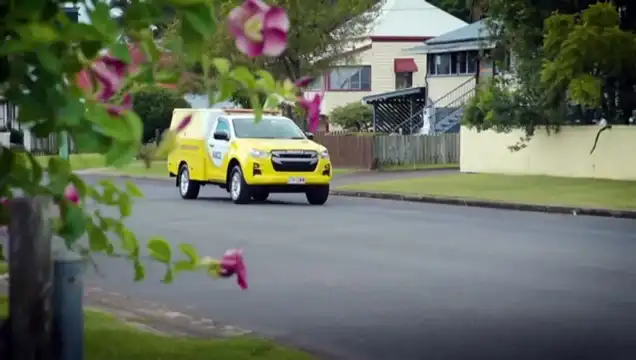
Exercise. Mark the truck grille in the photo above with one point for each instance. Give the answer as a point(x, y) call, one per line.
point(294, 160)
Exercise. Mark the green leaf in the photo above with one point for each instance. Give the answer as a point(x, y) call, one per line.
point(160, 249)
point(168, 278)
point(129, 242)
point(122, 153)
point(109, 194)
point(133, 189)
point(187, 2)
point(108, 125)
point(135, 125)
point(71, 112)
point(201, 19)
point(102, 20)
point(40, 33)
point(9, 47)
point(183, 265)
point(125, 205)
point(190, 251)
point(257, 107)
point(120, 51)
point(49, 61)
point(59, 172)
point(226, 89)
point(222, 65)
point(273, 101)
point(243, 76)
point(266, 80)
point(97, 240)
point(140, 273)
point(74, 223)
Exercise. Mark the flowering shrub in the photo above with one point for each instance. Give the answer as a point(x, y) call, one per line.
point(79, 79)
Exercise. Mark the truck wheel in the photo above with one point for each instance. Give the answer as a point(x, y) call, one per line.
point(239, 189)
point(318, 195)
point(188, 189)
point(260, 195)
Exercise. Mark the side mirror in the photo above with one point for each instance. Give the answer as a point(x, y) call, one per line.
point(221, 135)
point(309, 135)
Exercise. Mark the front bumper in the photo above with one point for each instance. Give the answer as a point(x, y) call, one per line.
point(261, 172)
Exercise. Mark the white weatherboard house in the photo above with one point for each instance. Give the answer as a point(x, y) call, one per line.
point(378, 63)
point(454, 65)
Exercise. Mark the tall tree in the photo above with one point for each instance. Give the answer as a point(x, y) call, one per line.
point(573, 60)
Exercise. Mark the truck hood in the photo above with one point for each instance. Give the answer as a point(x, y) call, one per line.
point(280, 144)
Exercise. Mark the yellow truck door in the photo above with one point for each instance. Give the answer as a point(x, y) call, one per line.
point(218, 148)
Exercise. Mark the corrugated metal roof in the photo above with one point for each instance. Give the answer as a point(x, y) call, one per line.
point(411, 18)
point(474, 31)
point(473, 35)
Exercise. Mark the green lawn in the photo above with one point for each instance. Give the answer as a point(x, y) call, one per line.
point(517, 189)
point(4, 267)
point(79, 161)
point(107, 338)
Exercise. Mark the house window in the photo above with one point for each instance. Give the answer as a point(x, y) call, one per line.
point(403, 80)
point(317, 84)
point(455, 63)
point(352, 78)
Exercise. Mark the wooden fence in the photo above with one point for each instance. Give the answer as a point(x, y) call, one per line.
point(348, 151)
point(369, 151)
point(417, 149)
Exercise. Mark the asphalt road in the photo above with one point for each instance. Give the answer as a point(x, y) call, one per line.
point(372, 279)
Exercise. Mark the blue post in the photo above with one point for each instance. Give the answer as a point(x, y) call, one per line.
point(68, 315)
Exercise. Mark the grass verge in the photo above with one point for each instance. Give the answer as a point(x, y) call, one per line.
point(107, 338)
point(78, 161)
point(417, 167)
point(4, 268)
point(541, 190)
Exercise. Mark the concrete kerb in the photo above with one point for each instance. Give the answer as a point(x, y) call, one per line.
point(556, 209)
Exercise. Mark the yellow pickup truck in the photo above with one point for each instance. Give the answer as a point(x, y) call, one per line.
point(249, 159)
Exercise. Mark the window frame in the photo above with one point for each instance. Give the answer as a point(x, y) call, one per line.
point(328, 83)
point(461, 63)
point(409, 79)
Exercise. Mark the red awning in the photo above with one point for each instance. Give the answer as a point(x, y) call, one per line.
point(405, 65)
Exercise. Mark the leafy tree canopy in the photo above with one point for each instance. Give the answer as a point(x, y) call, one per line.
point(570, 58)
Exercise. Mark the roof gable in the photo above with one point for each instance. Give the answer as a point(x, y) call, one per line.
point(413, 18)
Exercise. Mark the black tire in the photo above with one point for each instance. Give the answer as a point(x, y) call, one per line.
point(260, 195)
point(318, 195)
point(243, 195)
point(190, 190)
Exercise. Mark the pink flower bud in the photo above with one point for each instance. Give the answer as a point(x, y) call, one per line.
point(71, 194)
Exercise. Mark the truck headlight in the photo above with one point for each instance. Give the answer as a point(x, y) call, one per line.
point(259, 154)
point(324, 154)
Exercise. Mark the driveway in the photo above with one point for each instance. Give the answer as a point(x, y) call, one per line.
point(373, 279)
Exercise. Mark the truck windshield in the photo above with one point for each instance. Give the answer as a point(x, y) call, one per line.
point(267, 128)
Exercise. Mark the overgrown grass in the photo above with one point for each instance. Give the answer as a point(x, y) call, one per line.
point(107, 338)
point(516, 189)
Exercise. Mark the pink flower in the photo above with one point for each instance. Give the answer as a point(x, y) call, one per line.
point(312, 108)
point(71, 194)
point(303, 82)
point(259, 28)
point(232, 263)
point(184, 123)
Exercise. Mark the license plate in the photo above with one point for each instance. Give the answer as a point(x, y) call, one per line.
point(296, 180)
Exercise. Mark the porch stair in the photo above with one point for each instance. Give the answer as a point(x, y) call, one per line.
point(445, 114)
